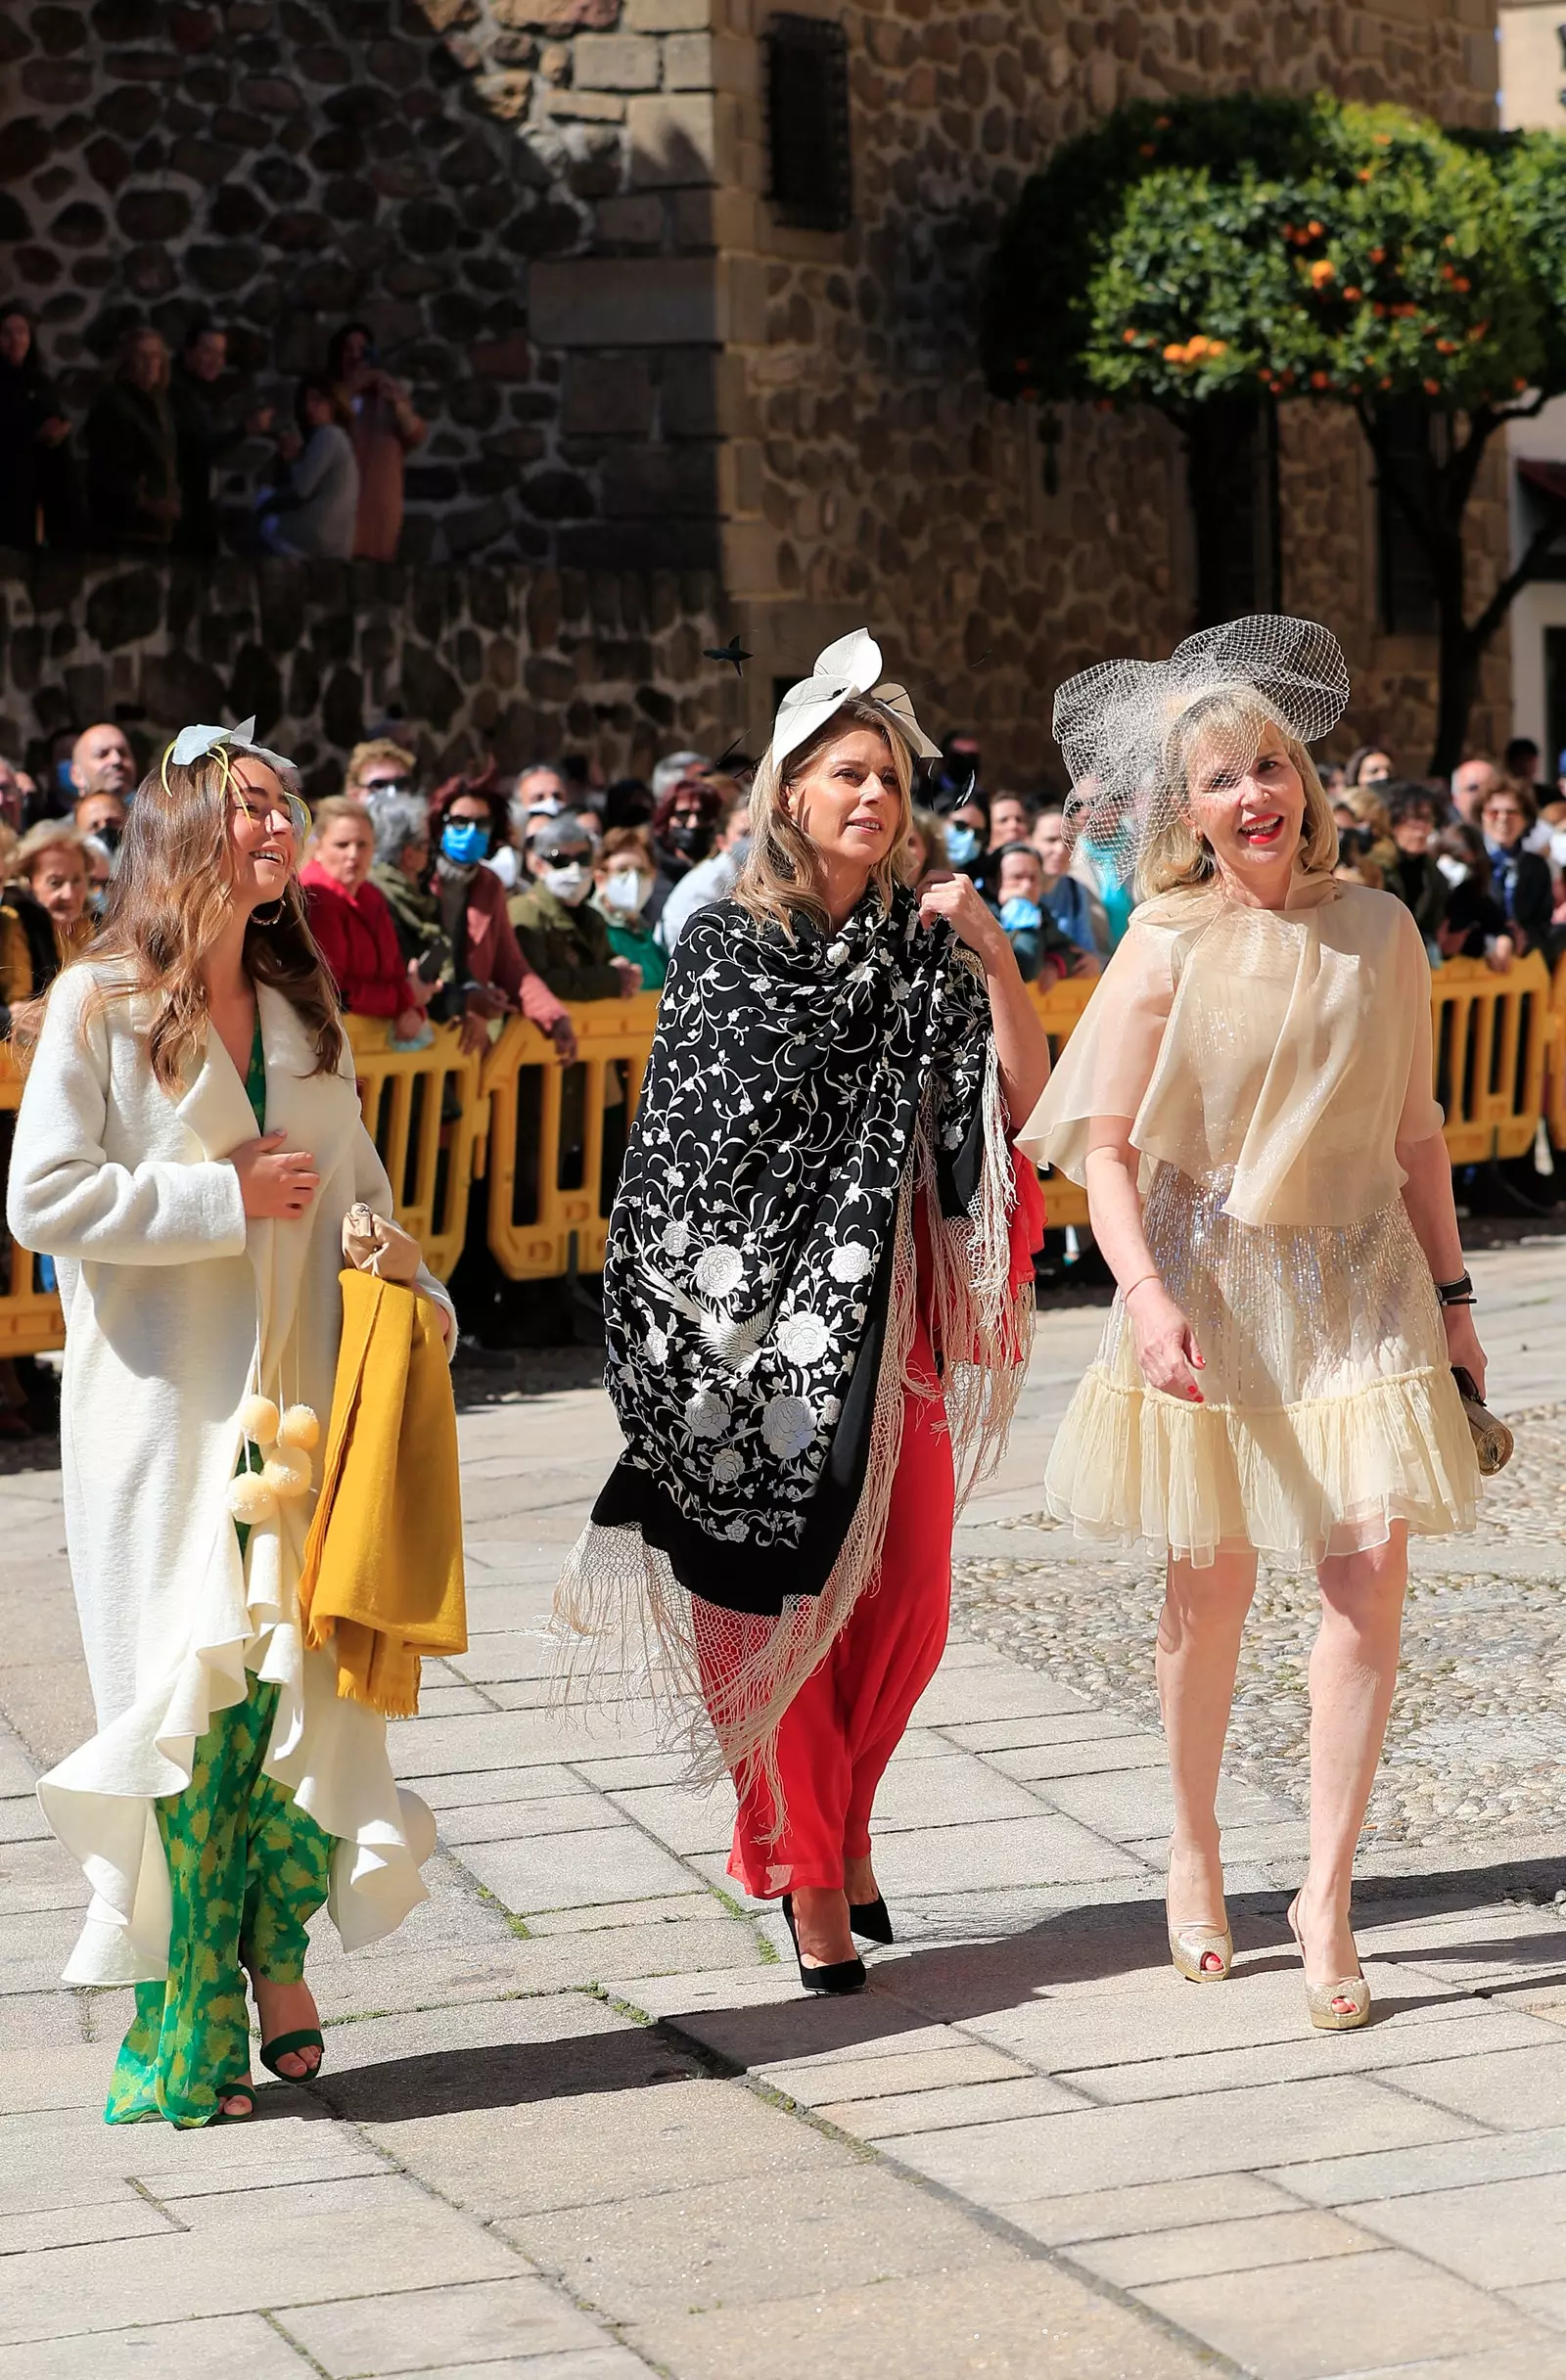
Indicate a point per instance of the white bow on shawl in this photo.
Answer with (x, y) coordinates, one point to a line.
(850, 666)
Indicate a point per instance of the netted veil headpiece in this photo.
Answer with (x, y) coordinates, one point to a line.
(1128, 728)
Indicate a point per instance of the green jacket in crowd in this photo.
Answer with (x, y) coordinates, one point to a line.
(569, 947)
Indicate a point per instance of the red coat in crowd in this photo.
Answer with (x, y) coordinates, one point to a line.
(359, 940)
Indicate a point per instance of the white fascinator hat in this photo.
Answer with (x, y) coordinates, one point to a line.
(851, 666)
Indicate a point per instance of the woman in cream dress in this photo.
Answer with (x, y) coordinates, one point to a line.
(1249, 1104)
(188, 1146)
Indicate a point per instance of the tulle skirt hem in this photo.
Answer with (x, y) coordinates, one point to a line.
(1300, 1482)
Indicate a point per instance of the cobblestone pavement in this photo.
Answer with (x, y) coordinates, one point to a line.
(579, 2123)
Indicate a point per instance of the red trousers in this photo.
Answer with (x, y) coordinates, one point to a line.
(848, 1717)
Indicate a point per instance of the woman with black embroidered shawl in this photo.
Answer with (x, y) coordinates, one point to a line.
(819, 1293)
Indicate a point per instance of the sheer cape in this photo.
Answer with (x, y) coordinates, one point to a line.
(1287, 1053)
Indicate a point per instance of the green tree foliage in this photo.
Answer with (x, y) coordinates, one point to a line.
(1269, 250)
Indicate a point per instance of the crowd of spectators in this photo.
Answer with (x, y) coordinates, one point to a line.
(483, 898)
(139, 469)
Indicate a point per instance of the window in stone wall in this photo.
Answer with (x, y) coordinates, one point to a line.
(1406, 579)
(810, 178)
(1233, 457)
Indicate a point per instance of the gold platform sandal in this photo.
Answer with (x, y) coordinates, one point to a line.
(1190, 1946)
(1340, 2008)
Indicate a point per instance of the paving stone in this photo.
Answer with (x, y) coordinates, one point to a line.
(522, 1822)
(618, 2144)
(1103, 2147)
(1511, 2087)
(496, 1785)
(988, 2319)
(1461, 2162)
(1037, 1851)
(613, 1863)
(239, 2268)
(857, 2075)
(744, 2242)
(1301, 2321)
(1101, 1754)
(237, 2347)
(409, 2330)
(1539, 2359)
(893, 2116)
(1194, 2251)
(125, 2217)
(1496, 2234)
(1378, 2047)
(1143, 2207)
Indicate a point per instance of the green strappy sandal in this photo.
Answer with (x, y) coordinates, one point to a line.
(234, 2090)
(308, 2038)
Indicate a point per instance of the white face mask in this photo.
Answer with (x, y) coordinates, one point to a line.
(1452, 869)
(626, 890)
(568, 883)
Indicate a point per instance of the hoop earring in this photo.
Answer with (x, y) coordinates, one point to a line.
(256, 918)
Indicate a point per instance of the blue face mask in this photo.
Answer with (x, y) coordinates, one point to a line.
(463, 840)
(962, 846)
(1018, 912)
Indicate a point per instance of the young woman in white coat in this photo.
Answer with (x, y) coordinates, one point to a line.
(188, 1145)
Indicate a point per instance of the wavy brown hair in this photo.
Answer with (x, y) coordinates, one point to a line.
(780, 878)
(168, 904)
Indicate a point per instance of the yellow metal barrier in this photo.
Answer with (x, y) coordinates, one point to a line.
(1490, 1034)
(30, 1318)
(1555, 1066)
(1060, 1009)
(547, 1129)
(424, 1110)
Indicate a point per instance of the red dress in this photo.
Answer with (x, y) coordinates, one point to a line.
(849, 1718)
(358, 938)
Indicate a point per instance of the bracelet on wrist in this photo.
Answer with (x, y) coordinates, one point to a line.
(1136, 1284)
(1456, 1292)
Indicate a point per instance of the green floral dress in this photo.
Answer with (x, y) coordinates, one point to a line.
(247, 1871)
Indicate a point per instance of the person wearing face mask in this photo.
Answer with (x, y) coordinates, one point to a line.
(968, 834)
(714, 878)
(562, 936)
(623, 878)
(489, 973)
(1042, 953)
(684, 821)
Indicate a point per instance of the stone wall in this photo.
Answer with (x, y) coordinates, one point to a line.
(467, 659)
(871, 474)
(285, 167)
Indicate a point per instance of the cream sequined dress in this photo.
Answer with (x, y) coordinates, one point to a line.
(1271, 1063)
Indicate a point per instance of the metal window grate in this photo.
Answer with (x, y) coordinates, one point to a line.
(811, 176)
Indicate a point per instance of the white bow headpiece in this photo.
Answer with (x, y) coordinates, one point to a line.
(195, 743)
(851, 665)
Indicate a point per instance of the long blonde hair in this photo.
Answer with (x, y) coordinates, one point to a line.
(168, 904)
(780, 879)
(1176, 856)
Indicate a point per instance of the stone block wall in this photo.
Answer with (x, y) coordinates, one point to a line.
(871, 476)
(286, 166)
(465, 660)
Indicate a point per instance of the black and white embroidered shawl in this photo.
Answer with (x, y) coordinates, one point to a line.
(758, 1289)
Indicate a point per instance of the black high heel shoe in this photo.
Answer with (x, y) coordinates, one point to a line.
(848, 1975)
(871, 1920)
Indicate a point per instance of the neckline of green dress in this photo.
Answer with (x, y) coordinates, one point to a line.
(256, 1075)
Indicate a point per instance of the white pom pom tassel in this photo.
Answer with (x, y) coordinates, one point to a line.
(257, 1418)
(300, 1428)
(286, 1473)
(250, 1498)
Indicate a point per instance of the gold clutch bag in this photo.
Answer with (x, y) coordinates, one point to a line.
(1493, 1440)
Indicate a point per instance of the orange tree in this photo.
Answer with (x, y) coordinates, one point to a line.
(1260, 249)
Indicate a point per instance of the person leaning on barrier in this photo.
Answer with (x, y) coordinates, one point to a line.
(488, 970)
(352, 924)
(562, 936)
(400, 875)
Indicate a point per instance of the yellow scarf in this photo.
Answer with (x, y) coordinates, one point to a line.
(382, 1580)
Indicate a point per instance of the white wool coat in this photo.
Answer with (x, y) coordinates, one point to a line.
(177, 1305)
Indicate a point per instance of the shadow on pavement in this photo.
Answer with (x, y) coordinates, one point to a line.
(941, 1985)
